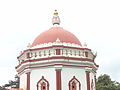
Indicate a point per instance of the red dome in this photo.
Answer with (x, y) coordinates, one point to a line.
(55, 33)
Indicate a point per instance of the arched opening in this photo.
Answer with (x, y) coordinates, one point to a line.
(42, 84)
(74, 84)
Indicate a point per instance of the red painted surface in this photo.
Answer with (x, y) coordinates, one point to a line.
(52, 34)
(28, 81)
(73, 85)
(56, 23)
(58, 79)
(44, 84)
(57, 57)
(57, 51)
(18, 82)
(88, 79)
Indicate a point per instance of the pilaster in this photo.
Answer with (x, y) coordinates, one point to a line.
(58, 77)
(28, 80)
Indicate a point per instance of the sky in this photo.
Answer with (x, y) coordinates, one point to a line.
(96, 22)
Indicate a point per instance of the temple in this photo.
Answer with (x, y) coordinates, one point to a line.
(57, 60)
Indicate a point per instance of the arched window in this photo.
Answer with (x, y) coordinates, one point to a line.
(42, 84)
(74, 84)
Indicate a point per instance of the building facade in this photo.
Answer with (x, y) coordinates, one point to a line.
(56, 60)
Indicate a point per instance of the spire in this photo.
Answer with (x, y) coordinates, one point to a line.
(56, 19)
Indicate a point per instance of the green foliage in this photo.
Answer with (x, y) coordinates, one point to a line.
(2, 88)
(12, 84)
(104, 82)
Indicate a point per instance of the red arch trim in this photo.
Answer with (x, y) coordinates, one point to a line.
(45, 81)
(74, 78)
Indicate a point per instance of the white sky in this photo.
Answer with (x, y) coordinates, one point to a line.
(96, 22)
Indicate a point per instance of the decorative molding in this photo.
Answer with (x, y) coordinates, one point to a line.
(52, 65)
(88, 69)
(53, 46)
(57, 57)
(58, 66)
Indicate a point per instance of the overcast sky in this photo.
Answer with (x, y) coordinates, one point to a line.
(96, 22)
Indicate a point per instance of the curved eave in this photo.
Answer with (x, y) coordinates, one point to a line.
(57, 57)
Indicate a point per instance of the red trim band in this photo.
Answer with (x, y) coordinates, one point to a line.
(21, 70)
(57, 57)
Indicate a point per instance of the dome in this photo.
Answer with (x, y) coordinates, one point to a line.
(55, 33)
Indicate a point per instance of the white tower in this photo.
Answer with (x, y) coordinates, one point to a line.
(57, 60)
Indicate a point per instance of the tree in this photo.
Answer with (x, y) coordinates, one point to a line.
(104, 82)
(12, 84)
(2, 88)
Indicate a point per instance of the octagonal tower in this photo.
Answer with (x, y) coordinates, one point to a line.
(56, 60)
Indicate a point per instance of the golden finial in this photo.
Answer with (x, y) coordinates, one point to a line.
(55, 12)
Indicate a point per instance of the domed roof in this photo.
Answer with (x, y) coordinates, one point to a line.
(55, 33)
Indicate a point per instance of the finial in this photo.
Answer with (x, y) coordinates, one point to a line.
(58, 40)
(29, 45)
(56, 12)
(56, 19)
(84, 44)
